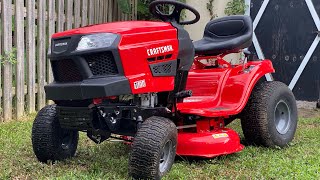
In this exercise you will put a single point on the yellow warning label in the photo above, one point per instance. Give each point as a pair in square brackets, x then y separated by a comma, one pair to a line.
[221, 135]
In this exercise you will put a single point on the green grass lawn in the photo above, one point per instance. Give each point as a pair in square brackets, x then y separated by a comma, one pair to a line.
[109, 160]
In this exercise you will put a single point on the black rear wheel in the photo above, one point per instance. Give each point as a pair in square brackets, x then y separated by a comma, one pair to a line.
[270, 117]
[49, 140]
[153, 149]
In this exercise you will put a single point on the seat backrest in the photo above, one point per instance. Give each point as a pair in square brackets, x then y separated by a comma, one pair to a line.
[229, 27]
[225, 35]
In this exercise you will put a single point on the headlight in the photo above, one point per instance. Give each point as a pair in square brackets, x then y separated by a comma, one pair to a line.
[95, 41]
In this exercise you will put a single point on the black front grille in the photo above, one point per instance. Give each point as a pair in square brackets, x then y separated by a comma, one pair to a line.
[163, 69]
[65, 70]
[102, 64]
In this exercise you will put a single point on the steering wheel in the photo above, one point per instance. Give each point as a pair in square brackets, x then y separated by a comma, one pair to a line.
[175, 16]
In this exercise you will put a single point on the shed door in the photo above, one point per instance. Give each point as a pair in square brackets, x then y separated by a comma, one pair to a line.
[287, 35]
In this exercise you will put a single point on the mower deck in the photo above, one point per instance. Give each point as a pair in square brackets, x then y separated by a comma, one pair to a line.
[210, 139]
[209, 144]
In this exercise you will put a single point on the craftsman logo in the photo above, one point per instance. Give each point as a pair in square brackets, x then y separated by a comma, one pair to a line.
[140, 84]
[61, 44]
[159, 50]
[222, 135]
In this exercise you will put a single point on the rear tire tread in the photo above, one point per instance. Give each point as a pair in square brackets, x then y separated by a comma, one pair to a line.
[254, 118]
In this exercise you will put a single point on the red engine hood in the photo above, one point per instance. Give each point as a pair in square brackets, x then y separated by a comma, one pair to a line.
[122, 28]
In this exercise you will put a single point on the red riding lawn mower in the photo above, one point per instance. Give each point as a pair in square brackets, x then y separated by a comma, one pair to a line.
[147, 83]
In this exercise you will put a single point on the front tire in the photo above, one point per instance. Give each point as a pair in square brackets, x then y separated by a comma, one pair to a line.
[49, 140]
[153, 149]
[270, 117]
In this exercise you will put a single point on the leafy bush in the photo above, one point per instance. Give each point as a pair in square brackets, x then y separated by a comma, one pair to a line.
[124, 6]
[143, 9]
[235, 7]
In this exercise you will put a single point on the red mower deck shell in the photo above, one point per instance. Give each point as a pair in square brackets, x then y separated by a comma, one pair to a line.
[211, 140]
[137, 37]
[209, 144]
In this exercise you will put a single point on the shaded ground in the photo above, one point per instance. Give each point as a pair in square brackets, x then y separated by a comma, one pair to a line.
[308, 109]
[109, 161]
[306, 105]
[309, 113]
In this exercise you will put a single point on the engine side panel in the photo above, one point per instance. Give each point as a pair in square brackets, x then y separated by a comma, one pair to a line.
[144, 55]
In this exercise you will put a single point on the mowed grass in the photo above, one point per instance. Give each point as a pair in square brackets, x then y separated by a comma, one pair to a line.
[109, 160]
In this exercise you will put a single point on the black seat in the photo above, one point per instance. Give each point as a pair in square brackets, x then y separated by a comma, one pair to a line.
[225, 35]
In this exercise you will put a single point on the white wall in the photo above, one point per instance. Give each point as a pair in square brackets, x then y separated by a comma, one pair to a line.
[196, 30]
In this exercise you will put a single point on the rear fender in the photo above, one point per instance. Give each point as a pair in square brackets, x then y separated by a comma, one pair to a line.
[226, 91]
[239, 85]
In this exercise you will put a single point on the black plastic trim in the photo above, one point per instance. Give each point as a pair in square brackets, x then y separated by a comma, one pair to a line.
[185, 60]
[88, 89]
[173, 71]
[71, 53]
[186, 48]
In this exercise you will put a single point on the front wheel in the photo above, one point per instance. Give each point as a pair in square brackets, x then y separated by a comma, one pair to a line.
[153, 149]
[270, 117]
[49, 140]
